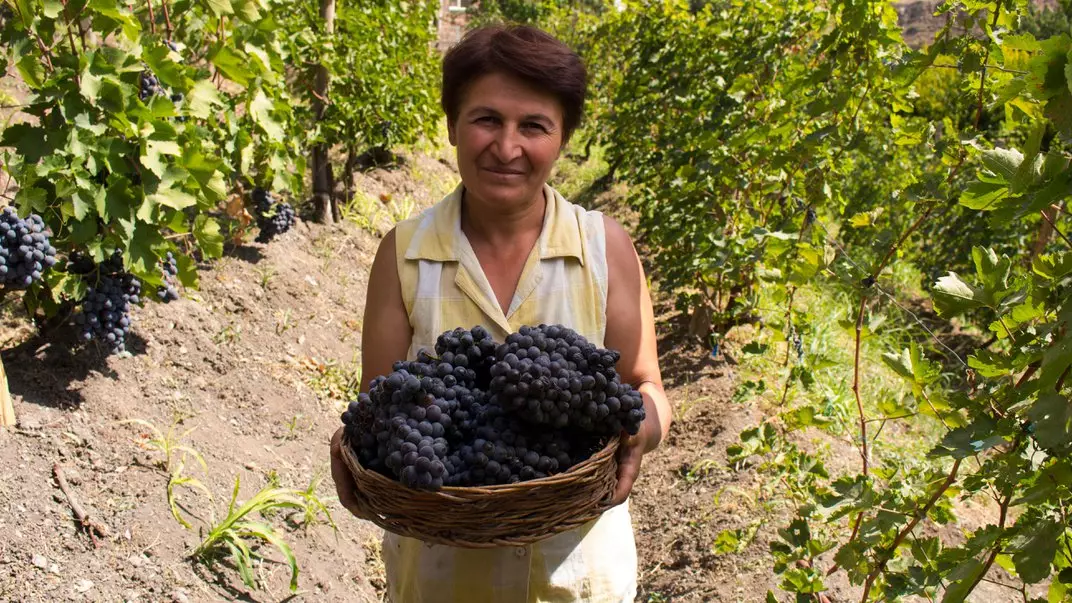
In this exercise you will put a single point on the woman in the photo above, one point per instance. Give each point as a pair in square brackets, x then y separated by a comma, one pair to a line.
[505, 250]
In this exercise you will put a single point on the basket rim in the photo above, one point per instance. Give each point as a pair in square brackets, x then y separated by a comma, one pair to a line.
[451, 492]
[396, 523]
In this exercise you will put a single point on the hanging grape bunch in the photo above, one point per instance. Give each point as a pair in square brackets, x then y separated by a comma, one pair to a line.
[150, 86]
[471, 415]
[273, 218]
[25, 249]
[105, 311]
[170, 269]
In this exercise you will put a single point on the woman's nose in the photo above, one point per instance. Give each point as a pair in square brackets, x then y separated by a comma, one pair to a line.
[507, 147]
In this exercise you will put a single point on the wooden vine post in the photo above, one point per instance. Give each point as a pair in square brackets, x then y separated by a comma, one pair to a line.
[7, 410]
[327, 210]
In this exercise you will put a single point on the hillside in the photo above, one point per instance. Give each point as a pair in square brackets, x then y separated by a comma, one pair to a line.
[920, 24]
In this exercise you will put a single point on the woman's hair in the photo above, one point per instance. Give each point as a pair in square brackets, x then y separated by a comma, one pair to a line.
[524, 52]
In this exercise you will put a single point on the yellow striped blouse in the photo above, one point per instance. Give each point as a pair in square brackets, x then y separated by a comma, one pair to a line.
[564, 282]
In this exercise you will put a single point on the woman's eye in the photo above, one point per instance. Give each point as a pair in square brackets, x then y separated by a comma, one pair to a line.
[534, 126]
[486, 119]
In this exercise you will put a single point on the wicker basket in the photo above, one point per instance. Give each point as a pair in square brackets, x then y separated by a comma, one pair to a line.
[491, 516]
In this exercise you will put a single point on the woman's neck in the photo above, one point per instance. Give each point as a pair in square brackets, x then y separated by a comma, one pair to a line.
[495, 228]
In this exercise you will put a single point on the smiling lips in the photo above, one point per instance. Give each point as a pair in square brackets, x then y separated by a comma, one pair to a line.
[504, 172]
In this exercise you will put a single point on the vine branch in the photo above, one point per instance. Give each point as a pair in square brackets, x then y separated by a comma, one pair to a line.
[982, 75]
[881, 565]
[1055, 229]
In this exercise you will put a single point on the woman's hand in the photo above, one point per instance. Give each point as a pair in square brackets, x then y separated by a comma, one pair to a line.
[630, 454]
[344, 480]
[632, 449]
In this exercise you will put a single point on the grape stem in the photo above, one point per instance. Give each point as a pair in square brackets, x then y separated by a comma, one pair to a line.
[152, 17]
[982, 75]
[1055, 229]
[167, 17]
[70, 39]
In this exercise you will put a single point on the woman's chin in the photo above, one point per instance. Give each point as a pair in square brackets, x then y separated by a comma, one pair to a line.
[501, 194]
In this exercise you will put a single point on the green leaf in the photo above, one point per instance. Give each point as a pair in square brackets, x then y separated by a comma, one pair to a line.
[140, 244]
[965, 575]
[952, 295]
[202, 99]
[1055, 361]
[1002, 162]
[269, 535]
[173, 198]
[219, 7]
[207, 233]
[983, 196]
[261, 111]
[90, 86]
[1036, 549]
[912, 366]
[232, 64]
[1030, 168]
[155, 150]
[1052, 417]
[993, 272]
[970, 440]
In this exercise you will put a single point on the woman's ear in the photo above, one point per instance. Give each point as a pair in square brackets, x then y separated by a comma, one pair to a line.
[452, 132]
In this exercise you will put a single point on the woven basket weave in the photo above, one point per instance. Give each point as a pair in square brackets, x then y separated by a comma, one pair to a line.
[490, 516]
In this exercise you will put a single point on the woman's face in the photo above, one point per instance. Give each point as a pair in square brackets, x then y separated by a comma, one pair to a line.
[508, 135]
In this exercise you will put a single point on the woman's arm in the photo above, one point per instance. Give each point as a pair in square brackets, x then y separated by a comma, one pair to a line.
[385, 338]
[631, 331]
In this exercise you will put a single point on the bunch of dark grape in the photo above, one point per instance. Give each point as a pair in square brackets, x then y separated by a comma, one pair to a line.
[798, 345]
[170, 269]
[105, 312]
[273, 218]
[461, 416]
[25, 251]
[550, 375]
[150, 86]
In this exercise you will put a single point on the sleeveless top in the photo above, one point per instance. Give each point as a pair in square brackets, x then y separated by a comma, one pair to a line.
[564, 281]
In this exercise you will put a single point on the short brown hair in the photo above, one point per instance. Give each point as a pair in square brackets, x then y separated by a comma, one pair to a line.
[522, 51]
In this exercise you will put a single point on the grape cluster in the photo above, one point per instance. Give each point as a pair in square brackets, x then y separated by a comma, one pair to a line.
[550, 375]
[273, 218]
[25, 251]
[170, 269]
[105, 313]
[798, 345]
[446, 419]
[150, 86]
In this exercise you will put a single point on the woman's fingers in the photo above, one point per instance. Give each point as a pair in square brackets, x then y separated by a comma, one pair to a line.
[630, 456]
[340, 474]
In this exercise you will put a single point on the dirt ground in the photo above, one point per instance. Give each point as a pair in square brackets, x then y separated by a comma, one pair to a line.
[257, 362]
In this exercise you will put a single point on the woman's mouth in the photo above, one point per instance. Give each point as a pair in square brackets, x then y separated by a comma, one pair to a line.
[504, 172]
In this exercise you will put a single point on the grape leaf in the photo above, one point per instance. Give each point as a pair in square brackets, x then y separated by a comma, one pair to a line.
[202, 98]
[1003, 162]
[1052, 416]
[173, 198]
[952, 295]
[261, 111]
[983, 196]
[1036, 548]
[912, 366]
[219, 7]
[207, 233]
